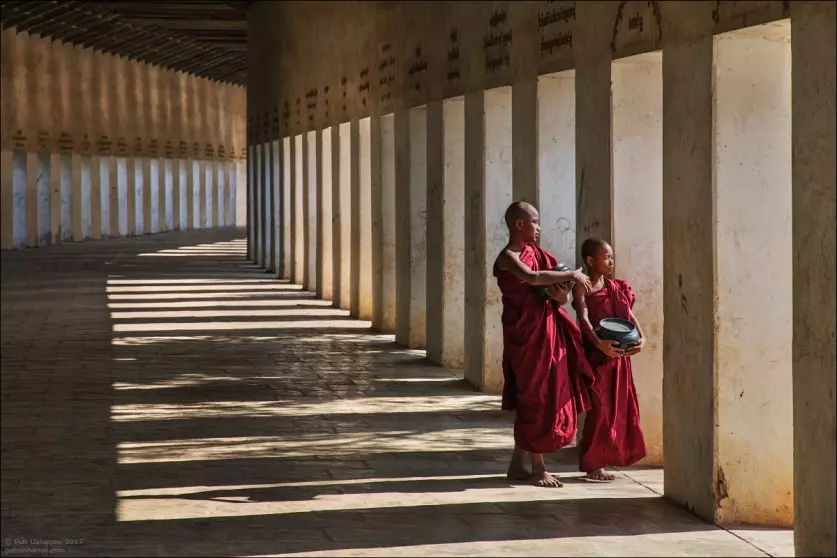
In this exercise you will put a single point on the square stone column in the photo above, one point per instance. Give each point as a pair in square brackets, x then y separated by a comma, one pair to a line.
[297, 203]
[325, 236]
[401, 127]
[278, 207]
[307, 167]
[287, 185]
[813, 261]
[121, 194]
[377, 217]
[688, 276]
[345, 192]
[435, 232]
[337, 217]
[267, 190]
[258, 201]
[388, 222]
[418, 228]
[364, 220]
[488, 192]
[44, 170]
[252, 249]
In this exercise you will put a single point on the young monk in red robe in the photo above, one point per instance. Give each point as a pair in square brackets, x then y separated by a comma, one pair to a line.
[612, 435]
[545, 371]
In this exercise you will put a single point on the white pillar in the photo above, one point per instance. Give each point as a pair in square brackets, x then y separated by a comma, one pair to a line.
[7, 201]
[453, 233]
[155, 224]
[96, 209]
[194, 201]
[388, 223]
[277, 204]
[418, 228]
[252, 227]
[171, 195]
[266, 186]
[754, 294]
[325, 235]
[814, 144]
[258, 200]
[346, 218]
[208, 193]
[19, 199]
[297, 217]
[402, 227]
[80, 172]
[637, 112]
[86, 196]
[66, 166]
[143, 190]
[365, 221]
[44, 178]
[182, 189]
[105, 185]
[312, 236]
[123, 199]
[287, 185]
[488, 180]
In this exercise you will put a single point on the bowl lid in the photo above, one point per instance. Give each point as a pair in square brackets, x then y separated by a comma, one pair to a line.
[617, 326]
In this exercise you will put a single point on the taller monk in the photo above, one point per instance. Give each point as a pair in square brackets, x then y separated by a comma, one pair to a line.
[545, 371]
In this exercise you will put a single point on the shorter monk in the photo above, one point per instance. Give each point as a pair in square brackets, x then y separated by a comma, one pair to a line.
[544, 368]
[612, 436]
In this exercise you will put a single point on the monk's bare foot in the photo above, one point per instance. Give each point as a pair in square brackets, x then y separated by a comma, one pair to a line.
[517, 472]
[545, 480]
[600, 475]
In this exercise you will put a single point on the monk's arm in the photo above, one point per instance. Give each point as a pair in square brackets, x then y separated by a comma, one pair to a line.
[636, 323]
[509, 261]
[580, 305]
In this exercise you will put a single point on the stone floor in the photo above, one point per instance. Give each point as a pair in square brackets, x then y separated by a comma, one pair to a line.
[162, 397]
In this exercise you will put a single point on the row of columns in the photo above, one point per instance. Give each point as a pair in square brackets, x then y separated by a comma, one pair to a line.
[52, 198]
[398, 218]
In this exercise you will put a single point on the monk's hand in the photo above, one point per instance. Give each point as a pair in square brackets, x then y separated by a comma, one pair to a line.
[636, 348]
[611, 349]
[580, 277]
[559, 292]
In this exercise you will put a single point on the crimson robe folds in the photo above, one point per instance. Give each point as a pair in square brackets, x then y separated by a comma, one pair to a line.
[545, 371]
[612, 435]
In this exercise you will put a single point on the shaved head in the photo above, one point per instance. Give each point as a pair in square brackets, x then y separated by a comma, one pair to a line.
[519, 210]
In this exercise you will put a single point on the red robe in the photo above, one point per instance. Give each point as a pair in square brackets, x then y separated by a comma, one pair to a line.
[545, 371]
[612, 435]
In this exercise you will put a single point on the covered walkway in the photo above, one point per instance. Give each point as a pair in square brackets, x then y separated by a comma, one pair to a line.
[163, 396]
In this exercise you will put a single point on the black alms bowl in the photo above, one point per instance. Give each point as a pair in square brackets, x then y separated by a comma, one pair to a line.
[616, 329]
[542, 290]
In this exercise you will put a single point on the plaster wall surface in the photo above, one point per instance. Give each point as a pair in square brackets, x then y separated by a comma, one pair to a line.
[556, 165]
[754, 294]
[637, 93]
